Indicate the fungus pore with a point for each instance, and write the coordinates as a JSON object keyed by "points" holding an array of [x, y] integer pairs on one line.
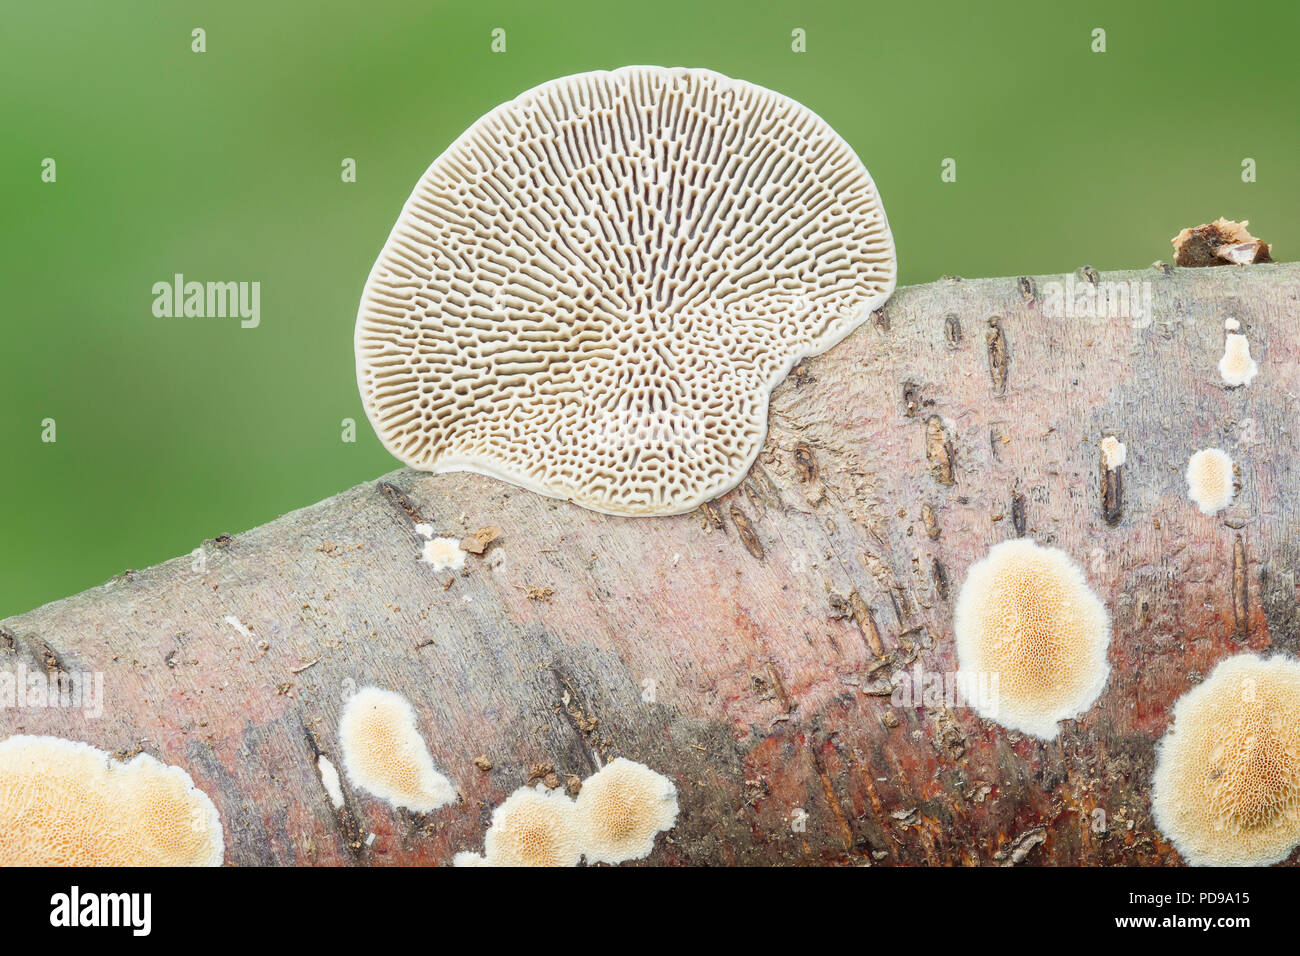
{"points": [[1209, 480], [621, 809], [384, 754], [1027, 619], [64, 803], [1226, 790], [593, 291]]}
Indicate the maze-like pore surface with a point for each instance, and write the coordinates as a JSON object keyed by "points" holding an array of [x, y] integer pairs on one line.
{"points": [[1226, 790], [593, 291]]}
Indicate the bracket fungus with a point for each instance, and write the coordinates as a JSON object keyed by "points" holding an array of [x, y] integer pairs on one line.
{"points": [[593, 291], [66, 803], [1027, 618], [1226, 790], [1210, 483], [384, 754]]}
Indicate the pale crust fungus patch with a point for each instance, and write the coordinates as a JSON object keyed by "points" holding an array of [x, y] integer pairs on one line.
{"points": [[445, 554], [384, 754], [621, 809], [65, 803], [1226, 790], [329, 778], [1210, 482], [1027, 619], [615, 817], [593, 291], [1113, 452], [1236, 366], [534, 827]]}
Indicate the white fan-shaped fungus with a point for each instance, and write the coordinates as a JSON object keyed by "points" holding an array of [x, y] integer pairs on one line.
{"points": [[384, 754], [1227, 782], [593, 291], [621, 809], [1210, 483], [1027, 618], [65, 803]]}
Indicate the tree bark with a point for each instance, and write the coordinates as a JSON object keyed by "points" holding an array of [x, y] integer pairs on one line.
{"points": [[748, 650]]}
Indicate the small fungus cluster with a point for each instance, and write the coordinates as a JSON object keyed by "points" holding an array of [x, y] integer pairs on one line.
{"points": [[616, 816], [1027, 618], [384, 754], [1227, 782], [65, 803]]}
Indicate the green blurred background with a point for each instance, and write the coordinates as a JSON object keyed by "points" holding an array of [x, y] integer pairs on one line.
{"points": [[226, 166]]}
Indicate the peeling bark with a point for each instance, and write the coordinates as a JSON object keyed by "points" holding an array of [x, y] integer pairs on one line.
{"points": [[749, 650]]}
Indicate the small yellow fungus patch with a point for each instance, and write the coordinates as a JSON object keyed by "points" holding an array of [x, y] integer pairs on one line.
{"points": [[384, 754], [621, 809], [1028, 625], [445, 554], [1209, 480], [1236, 366], [1113, 452], [617, 815], [1226, 790], [65, 803], [534, 827]]}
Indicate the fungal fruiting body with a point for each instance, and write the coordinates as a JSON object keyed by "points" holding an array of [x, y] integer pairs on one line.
{"points": [[534, 827], [444, 554], [1113, 452], [1236, 366], [329, 778], [593, 291], [616, 816], [384, 754], [1209, 480], [1027, 621], [621, 809], [65, 803], [1226, 790]]}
